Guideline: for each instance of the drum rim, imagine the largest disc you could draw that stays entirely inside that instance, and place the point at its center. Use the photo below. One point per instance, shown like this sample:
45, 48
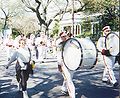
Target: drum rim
106, 41
80, 49
95, 62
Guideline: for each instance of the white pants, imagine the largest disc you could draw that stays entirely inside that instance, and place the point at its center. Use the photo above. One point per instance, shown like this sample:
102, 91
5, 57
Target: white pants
8, 51
41, 52
108, 73
68, 84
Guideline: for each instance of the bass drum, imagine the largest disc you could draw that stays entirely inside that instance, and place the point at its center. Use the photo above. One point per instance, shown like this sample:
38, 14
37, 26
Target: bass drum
78, 52
112, 43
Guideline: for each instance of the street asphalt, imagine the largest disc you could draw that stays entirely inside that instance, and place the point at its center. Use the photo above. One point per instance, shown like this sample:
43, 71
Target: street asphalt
47, 80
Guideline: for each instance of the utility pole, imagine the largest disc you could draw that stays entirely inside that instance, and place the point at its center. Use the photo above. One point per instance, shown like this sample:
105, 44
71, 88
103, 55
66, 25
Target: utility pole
73, 17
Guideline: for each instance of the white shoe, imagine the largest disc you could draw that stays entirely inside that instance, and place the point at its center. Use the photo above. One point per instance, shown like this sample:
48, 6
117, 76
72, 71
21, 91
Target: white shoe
63, 88
64, 92
25, 95
19, 87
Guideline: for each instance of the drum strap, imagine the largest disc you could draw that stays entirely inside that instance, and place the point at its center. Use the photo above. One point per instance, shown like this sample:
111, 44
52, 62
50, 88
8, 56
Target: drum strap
30, 54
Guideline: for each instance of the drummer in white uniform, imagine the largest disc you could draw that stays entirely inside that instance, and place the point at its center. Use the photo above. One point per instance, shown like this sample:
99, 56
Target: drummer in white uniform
68, 86
109, 61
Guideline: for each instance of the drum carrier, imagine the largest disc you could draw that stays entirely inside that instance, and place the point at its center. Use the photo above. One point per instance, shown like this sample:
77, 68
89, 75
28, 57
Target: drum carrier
77, 52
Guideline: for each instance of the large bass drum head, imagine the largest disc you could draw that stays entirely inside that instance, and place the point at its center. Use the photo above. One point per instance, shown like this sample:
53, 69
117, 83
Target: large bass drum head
71, 54
112, 43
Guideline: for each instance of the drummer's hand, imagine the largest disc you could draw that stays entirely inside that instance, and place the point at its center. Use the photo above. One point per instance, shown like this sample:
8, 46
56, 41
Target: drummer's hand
103, 52
106, 52
59, 68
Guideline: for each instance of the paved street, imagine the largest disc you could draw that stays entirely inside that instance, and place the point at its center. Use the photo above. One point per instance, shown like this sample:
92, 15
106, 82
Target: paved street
47, 80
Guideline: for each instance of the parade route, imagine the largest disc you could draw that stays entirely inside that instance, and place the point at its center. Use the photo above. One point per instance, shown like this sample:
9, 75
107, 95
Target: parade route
46, 82
60, 49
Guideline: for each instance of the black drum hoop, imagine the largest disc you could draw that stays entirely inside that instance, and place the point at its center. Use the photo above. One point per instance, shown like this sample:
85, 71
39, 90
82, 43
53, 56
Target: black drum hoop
106, 41
96, 54
80, 49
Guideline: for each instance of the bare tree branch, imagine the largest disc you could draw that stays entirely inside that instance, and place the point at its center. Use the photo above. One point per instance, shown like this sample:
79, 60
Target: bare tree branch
82, 7
4, 12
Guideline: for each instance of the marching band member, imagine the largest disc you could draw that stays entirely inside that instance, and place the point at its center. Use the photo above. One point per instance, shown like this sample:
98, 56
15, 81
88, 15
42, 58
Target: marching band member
68, 85
109, 61
40, 43
23, 68
8, 42
30, 42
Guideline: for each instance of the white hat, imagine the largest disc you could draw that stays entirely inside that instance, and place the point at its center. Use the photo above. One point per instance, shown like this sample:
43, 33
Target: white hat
106, 28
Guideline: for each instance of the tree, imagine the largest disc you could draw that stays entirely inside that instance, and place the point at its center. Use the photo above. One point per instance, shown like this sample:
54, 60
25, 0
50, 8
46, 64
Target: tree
42, 9
109, 10
46, 11
9, 9
14, 16
55, 29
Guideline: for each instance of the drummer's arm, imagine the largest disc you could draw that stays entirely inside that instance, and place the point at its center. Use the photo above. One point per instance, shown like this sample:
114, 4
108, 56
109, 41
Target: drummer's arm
60, 68
12, 59
100, 45
59, 61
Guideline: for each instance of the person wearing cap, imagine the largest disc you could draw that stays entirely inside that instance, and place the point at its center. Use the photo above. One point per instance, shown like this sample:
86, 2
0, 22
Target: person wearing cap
70, 35
22, 56
109, 61
68, 85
